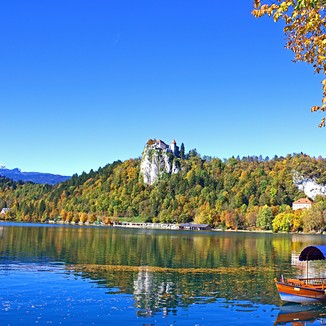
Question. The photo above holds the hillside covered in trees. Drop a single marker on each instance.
(251, 193)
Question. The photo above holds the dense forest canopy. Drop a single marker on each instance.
(252, 192)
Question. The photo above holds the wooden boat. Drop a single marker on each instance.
(304, 290)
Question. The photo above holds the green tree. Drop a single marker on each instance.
(42, 207)
(264, 218)
(313, 219)
(182, 151)
(283, 222)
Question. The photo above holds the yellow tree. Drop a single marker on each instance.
(83, 217)
(305, 22)
(205, 215)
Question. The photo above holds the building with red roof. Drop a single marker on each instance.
(302, 203)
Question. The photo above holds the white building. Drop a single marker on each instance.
(159, 144)
(302, 203)
(174, 147)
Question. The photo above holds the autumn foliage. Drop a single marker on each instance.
(305, 23)
(247, 193)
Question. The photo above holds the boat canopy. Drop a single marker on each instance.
(313, 253)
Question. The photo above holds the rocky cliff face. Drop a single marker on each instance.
(309, 186)
(157, 159)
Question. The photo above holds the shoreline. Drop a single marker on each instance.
(156, 226)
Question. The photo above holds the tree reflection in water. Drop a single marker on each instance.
(164, 270)
(164, 289)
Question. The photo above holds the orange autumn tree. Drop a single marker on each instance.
(305, 22)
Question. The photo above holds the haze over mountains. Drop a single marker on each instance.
(36, 177)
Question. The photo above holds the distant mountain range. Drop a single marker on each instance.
(36, 177)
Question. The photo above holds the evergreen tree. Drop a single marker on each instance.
(182, 151)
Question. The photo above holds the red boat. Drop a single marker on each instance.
(305, 290)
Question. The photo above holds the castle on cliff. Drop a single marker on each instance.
(159, 158)
(161, 145)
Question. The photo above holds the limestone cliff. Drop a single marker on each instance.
(159, 158)
(309, 186)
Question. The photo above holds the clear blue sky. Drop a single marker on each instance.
(85, 83)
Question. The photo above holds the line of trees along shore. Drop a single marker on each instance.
(250, 193)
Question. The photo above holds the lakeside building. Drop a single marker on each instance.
(193, 226)
(171, 226)
(302, 203)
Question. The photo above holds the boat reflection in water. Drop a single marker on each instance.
(298, 314)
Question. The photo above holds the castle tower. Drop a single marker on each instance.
(173, 147)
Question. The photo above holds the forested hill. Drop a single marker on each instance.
(228, 193)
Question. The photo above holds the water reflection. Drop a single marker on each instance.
(108, 246)
(297, 314)
(162, 294)
(163, 271)
(151, 295)
(157, 290)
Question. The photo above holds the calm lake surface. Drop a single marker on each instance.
(67, 275)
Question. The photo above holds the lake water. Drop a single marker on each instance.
(69, 275)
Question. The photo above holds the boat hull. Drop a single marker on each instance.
(300, 294)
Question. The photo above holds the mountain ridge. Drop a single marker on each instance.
(36, 177)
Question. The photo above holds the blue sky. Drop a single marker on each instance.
(85, 83)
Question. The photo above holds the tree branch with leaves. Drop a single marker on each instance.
(305, 25)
